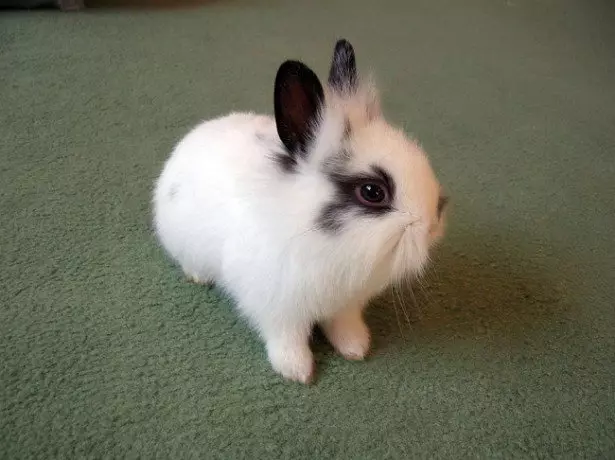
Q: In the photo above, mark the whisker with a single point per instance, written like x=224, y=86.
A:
x=404, y=307
x=424, y=289
x=417, y=304
x=401, y=331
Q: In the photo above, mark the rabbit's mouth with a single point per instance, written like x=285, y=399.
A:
x=409, y=255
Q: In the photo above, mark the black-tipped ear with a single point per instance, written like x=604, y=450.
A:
x=298, y=98
x=343, y=72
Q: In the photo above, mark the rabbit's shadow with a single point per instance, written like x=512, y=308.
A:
x=474, y=294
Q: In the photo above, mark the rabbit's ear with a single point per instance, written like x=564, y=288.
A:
x=343, y=71
x=298, y=100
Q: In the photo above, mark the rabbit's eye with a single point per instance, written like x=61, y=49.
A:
x=372, y=194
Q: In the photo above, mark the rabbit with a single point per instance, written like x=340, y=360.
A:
x=304, y=216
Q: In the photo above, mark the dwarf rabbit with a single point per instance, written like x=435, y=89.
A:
x=302, y=217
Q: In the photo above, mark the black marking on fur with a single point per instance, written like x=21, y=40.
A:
x=345, y=203
x=287, y=163
x=343, y=71
x=442, y=203
x=347, y=129
x=332, y=217
x=173, y=191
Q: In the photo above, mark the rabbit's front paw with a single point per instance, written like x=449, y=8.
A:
x=348, y=334
x=294, y=361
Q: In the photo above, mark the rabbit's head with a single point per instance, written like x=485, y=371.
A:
x=385, y=208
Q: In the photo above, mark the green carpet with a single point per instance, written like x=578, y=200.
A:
x=509, y=351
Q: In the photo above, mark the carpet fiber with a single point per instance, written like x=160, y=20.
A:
x=508, y=345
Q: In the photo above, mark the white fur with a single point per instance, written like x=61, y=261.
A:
x=227, y=214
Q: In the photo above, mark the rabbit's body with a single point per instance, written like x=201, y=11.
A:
x=239, y=233
x=216, y=209
x=288, y=214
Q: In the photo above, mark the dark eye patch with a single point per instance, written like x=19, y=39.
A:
x=346, y=202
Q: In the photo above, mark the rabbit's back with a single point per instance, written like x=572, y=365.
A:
x=209, y=185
